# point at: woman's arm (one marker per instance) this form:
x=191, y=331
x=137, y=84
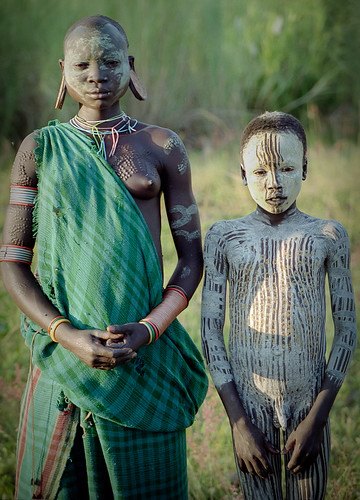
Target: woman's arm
x=18, y=277
x=183, y=217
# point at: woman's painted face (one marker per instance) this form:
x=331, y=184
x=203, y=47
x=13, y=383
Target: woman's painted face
x=96, y=66
x=273, y=168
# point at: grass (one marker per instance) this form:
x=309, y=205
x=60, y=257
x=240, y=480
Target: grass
x=331, y=191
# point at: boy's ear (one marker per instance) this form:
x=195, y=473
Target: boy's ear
x=305, y=165
x=243, y=174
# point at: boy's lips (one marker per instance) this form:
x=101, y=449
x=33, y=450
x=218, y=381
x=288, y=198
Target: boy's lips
x=276, y=199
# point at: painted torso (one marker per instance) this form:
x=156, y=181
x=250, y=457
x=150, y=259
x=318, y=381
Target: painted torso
x=276, y=280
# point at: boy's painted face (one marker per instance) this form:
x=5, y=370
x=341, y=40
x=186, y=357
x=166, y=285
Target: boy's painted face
x=96, y=66
x=273, y=168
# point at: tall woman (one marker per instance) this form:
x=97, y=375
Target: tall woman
x=115, y=379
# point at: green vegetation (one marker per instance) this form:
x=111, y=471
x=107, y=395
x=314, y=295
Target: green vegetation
x=330, y=191
x=209, y=66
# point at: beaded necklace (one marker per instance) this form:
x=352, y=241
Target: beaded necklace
x=125, y=125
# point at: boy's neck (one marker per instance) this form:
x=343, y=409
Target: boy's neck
x=275, y=219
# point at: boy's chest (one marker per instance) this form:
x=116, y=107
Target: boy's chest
x=267, y=255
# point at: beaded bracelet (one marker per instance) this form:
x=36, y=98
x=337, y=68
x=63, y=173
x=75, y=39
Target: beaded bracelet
x=154, y=327
x=179, y=290
x=22, y=195
x=150, y=329
x=54, y=323
x=16, y=253
x=174, y=301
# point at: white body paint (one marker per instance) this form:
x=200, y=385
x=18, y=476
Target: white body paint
x=276, y=278
x=273, y=167
x=96, y=65
x=185, y=215
x=175, y=144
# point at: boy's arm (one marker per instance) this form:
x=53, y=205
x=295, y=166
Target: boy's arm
x=213, y=307
x=306, y=439
x=250, y=444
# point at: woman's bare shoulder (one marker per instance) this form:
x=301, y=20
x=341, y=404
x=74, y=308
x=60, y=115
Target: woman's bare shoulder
x=24, y=168
x=161, y=136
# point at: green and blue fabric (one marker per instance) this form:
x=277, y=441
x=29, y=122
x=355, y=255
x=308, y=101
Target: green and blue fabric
x=98, y=265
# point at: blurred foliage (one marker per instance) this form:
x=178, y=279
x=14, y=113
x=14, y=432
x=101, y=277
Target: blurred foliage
x=208, y=65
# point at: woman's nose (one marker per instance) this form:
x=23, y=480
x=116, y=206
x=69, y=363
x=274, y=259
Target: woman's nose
x=97, y=74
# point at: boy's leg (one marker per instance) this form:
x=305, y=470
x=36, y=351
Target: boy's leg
x=310, y=484
x=254, y=487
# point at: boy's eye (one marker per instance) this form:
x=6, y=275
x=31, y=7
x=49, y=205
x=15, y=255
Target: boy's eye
x=260, y=172
x=287, y=169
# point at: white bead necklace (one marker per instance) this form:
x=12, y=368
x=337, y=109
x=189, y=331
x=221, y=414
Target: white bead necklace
x=125, y=125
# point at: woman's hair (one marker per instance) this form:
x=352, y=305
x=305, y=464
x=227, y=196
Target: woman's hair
x=96, y=22
x=274, y=121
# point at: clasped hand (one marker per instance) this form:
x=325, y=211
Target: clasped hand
x=107, y=349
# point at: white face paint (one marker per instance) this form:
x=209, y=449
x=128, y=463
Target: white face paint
x=96, y=66
x=273, y=166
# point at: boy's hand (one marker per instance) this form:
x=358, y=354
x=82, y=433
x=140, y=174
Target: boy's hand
x=252, y=449
x=304, y=442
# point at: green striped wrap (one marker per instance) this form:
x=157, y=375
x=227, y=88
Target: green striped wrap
x=98, y=265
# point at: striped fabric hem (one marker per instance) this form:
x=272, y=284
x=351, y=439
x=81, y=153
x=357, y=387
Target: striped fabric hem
x=22, y=195
x=21, y=445
x=15, y=253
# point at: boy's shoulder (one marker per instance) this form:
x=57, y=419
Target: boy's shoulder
x=329, y=228
x=226, y=226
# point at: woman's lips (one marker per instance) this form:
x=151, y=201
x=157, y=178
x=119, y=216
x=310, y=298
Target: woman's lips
x=100, y=94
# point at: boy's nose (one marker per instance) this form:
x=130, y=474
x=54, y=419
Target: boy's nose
x=273, y=180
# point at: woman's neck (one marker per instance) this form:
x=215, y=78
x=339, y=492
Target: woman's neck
x=90, y=114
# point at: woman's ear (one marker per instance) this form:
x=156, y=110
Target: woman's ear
x=305, y=165
x=62, y=89
x=243, y=174
x=135, y=84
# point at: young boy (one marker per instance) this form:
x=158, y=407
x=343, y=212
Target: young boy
x=274, y=380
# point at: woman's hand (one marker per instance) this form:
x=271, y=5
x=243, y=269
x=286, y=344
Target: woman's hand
x=132, y=335
x=304, y=444
x=252, y=449
x=96, y=348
